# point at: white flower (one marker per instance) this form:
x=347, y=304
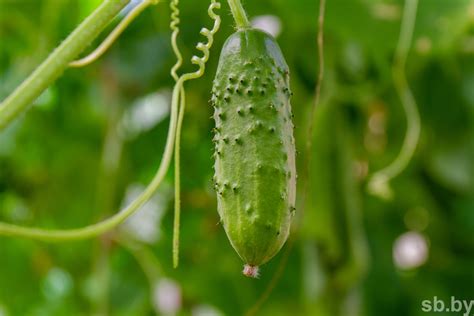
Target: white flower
x=410, y=250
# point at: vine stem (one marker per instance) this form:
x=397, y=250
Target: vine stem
x=238, y=12
x=57, y=61
x=144, y=256
x=177, y=180
x=174, y=25
x=108, y=224
x=379, y=182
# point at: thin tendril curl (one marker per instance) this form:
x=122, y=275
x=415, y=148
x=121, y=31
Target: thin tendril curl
x=174, y=25
x=201, y=62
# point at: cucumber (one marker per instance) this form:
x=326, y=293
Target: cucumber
x=255, y=173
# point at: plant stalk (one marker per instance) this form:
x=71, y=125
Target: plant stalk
x=19, y=100
x=238, y=12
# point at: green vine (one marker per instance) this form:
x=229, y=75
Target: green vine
x=174, y=132
x=174, y=25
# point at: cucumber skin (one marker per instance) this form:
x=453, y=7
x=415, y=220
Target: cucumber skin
x=255, y=172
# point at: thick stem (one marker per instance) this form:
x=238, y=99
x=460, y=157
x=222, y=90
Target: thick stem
x=239, y=14
x=57, y=61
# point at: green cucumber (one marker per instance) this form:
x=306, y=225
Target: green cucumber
x=255, y=173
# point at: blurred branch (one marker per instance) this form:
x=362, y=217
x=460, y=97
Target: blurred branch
x=57, y=61
x=309, y=142
x=107, y=184
x=101, y=271
x=144, y=256
x=379, y=183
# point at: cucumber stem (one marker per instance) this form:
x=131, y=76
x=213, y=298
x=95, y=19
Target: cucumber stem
x=238, y=12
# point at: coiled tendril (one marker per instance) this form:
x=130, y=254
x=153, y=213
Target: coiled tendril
x=179, y=98
x=174, y=25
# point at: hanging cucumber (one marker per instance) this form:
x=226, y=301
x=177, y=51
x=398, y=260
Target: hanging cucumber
x=255, y=173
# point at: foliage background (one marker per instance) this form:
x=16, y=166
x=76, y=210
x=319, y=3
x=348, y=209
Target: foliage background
x=97, y=135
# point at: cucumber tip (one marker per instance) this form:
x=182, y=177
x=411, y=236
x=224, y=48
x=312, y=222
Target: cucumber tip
x=251, y=271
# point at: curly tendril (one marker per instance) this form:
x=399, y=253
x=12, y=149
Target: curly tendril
x=174, y=25
x=205, y=47
x=201, y=62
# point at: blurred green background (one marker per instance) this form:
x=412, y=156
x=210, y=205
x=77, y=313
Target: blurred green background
x=94, y=139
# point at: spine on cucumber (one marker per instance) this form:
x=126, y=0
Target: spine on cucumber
x=255, y=174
